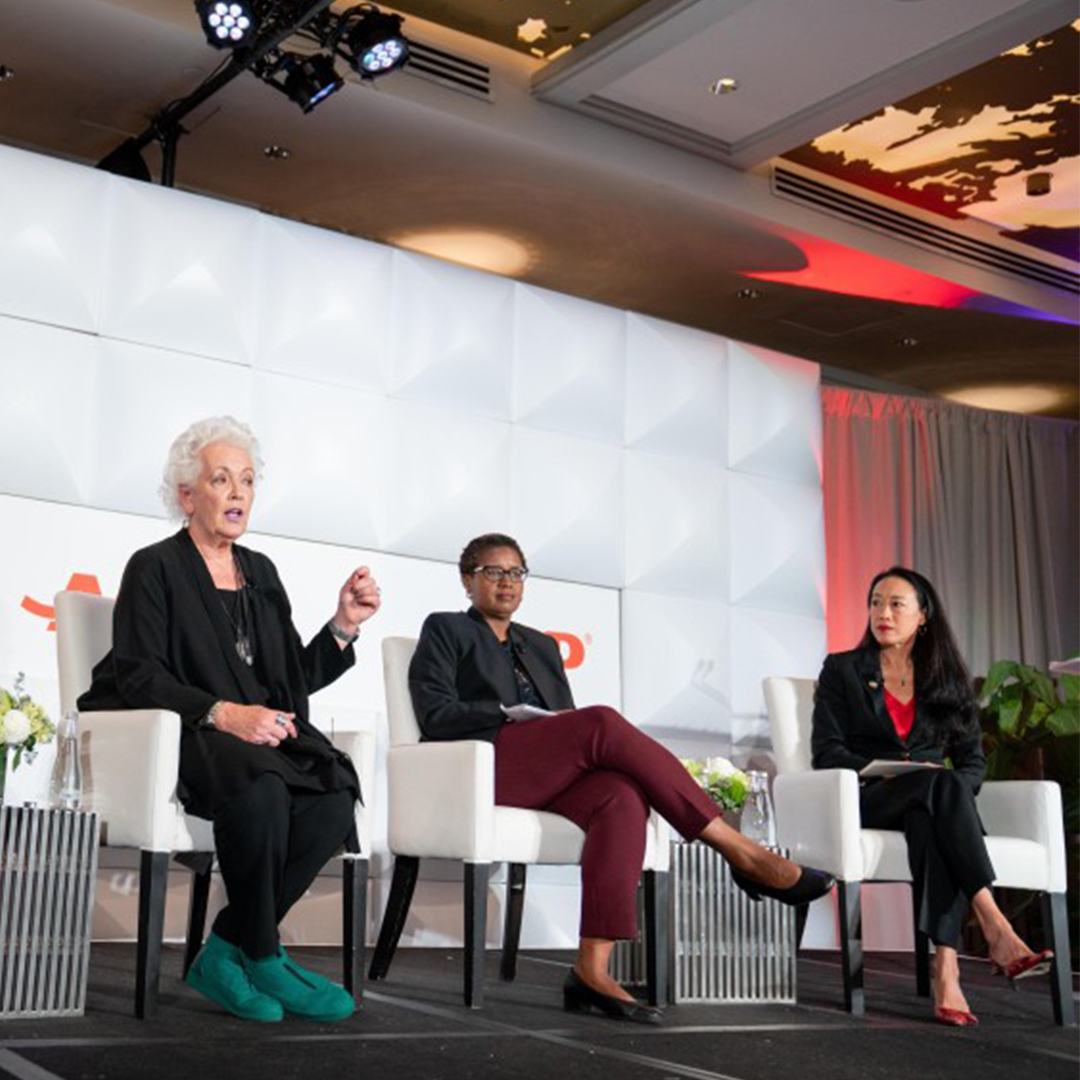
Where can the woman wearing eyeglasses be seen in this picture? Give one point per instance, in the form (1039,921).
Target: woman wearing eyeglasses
(589,765)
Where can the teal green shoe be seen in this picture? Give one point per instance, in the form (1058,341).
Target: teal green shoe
(218,973)
(300,992)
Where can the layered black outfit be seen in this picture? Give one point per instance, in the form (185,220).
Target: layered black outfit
(590,765)
(279,812)
(934,808)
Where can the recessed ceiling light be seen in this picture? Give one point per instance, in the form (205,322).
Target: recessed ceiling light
(6,73)
(726,85)
(1018,398)
(478,248)
(277,153)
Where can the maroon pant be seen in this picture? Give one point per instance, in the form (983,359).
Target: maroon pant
(595,768)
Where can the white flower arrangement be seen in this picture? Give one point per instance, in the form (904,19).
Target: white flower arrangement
(727,785)
(23,723)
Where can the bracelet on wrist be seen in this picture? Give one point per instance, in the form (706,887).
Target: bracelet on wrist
(340,634)
(210,719)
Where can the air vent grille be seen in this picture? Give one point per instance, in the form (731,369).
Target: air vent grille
(810,192)
(446,69)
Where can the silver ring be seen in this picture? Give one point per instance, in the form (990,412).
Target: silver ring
(280,719)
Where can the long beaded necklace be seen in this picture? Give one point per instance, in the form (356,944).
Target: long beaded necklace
(241,625)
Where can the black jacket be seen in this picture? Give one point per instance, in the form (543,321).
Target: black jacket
(852,726)
(460,675)
(174,648)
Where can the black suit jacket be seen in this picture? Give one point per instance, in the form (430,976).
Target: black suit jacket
(174,648)
(852,726)
(460,675)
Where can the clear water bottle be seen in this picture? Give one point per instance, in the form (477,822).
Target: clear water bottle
(756,821)
(65,786)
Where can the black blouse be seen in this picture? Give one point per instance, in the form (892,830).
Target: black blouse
(175,648)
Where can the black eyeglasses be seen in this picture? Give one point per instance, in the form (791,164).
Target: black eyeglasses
(516,574)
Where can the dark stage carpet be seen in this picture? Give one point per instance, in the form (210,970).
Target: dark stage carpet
(414,1027)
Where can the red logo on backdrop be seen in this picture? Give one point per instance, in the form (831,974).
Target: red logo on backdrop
(572,648)
(86,583)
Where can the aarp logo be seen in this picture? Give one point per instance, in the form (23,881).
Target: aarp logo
(571,647)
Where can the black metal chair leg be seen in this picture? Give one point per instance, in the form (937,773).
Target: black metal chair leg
(657,935)
(477,876)
(354,883)
(201,866)
(406,871)
(153,878)
(1056,923)
(515,904)
(922,949)
(851,952)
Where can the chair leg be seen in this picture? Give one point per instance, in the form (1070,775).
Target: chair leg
(198,902)
(477,876)
(851,953)
(515,904)
(1056,921)
(922,951)
(406,871)
(153,879)
(657,935)
(354,888)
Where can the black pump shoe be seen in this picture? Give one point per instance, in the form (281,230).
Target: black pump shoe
(578,996)
(811,885)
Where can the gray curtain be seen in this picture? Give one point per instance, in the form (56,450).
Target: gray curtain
(984,503)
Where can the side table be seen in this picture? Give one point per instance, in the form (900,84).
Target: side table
(48,865)
(723,946)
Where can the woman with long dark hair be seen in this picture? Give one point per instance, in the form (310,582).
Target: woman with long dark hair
(905,694)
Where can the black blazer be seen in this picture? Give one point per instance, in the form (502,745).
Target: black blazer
(460,675)
(174,648)
(852,726)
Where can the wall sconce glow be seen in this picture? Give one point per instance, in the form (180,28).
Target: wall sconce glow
(726,85)
(477,248)
(1018,398)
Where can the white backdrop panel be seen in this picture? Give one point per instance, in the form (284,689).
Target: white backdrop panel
(566,505)
(774,419)
(322,308)
(48,377)
(454,335)
(145,398)
(676,390)
(676,521)
(777,538)
(569,364)
(180,271)
(675,662)
(52,233)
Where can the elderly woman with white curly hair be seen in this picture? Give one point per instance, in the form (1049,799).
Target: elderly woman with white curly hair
(203,627)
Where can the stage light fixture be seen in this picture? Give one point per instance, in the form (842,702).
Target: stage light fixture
(311,79)
(372,41)
(228,24)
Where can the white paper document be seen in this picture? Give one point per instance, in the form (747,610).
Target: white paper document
(524,712)
(884,767)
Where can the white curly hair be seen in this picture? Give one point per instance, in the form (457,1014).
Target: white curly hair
(183,464)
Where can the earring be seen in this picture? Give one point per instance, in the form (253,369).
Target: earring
(923,628)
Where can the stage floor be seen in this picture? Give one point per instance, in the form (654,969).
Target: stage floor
(413,1026)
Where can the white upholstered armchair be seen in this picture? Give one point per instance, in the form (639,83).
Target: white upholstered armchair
(442,805)
(130,761)
(817,817)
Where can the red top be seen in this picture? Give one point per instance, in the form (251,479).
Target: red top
(903,716)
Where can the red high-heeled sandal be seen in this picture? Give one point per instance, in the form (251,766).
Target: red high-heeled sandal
(1026,966)
(955,1017)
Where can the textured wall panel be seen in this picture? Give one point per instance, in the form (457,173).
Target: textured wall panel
(676,390)
(322,306)
(675,662)
(323,445)
(569,364)
(774,421)
(676,522)
(448,479)
(454,335)
(180,271)
(777,541)
(566,506)
(48,376)
(52,229)
(145,398)
(770,643)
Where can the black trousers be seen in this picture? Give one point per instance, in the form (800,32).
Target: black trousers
(272,841)
(947,854)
